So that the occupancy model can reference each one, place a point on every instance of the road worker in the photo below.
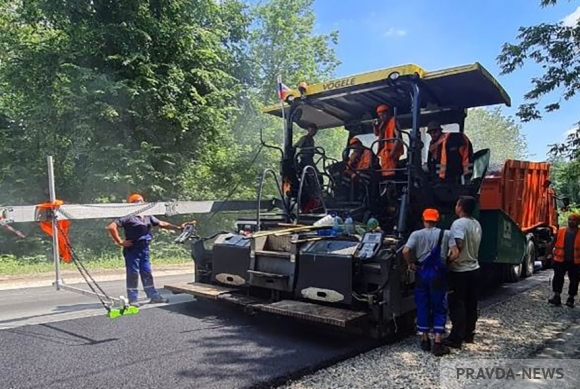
(450, 155)
(464, 274)
(426, 253)
(565, 249)
(358, 165)
(390, 151)
(137, 231)
(360, 158)
(306, 145)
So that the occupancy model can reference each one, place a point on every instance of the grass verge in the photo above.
(10, 265)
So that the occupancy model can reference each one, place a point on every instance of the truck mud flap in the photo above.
(312, 312)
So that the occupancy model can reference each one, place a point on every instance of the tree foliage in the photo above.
(163, 97)
(281, 41)
(555, 47)
(123, 94)
(566, 178)
(490, 129)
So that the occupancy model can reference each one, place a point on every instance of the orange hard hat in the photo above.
(431, 215)
(135, 198)
(382, 108)
(574, 215)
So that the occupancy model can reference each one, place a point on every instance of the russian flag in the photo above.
(282, 89)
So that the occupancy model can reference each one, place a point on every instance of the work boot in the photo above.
(469, 338)
(439, 350)
(134, 304)
(159, 300)
(426, 344)
(570, 302)
(555, 300)
(451, 343)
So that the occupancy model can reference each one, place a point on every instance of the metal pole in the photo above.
(52, 194)
(283, 112)
(412, 163)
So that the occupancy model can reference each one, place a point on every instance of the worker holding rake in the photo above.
(138, 235)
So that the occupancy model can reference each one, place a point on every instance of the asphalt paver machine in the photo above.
(284, 263)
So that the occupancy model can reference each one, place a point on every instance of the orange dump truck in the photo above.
(518, 215)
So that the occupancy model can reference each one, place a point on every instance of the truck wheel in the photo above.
(546, 263)
(512, 273)
(529, 260)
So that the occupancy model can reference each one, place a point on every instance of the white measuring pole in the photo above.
(55, 252)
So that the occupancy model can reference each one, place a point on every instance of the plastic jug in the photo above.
(349, 225)
(338, 226)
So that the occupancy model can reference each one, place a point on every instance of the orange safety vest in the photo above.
(559, 252)
(387, 131)
(360, 159)
(440, 154)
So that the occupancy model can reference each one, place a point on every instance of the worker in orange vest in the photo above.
(450, 154)
(390, 151)
(360, 158)
(566, 258)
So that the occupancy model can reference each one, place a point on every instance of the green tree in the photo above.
(123, 94)
(490, 129)
(158, 96)
(281, 42)
(566, 178)
(555, 47)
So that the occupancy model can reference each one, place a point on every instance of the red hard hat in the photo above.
(382, 108)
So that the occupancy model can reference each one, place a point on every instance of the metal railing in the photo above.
(301, 187)
(260, 191)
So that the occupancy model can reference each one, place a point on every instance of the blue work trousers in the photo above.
(137, 263)
(431, 297)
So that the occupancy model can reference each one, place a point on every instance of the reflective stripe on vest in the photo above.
(438, 151)
(387, 131)
(360, 159)
(559, 248)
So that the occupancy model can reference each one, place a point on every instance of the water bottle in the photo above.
(372, 224)
(349, 225)
(338, 226)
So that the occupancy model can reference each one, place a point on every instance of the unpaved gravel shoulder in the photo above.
(523, 326)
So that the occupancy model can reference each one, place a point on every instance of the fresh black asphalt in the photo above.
(190, 345)
(196, 344)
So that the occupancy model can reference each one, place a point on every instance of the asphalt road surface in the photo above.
(40, 305)
(192, 344)
(61, 340)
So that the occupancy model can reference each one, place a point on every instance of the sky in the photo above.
(436, 34)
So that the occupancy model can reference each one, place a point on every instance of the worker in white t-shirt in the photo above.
(464, 274)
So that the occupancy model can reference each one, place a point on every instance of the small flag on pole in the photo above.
(282, 89)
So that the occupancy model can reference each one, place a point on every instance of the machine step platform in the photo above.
(200, 290)
(338, 317)
(312, 312)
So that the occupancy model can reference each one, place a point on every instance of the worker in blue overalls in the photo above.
(426, 254)
(137, 230)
